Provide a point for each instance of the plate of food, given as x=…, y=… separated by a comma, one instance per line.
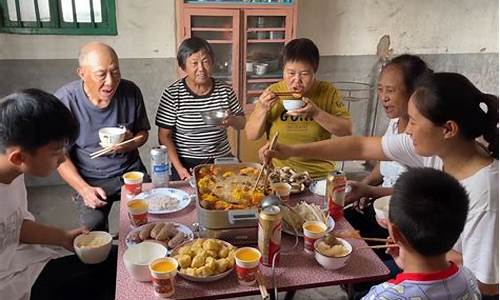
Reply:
x=204, y=259
x=165, y=200
x=303, y=212
x=297, y=180
x=169, y=234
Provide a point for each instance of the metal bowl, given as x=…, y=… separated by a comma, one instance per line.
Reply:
x=214, y=117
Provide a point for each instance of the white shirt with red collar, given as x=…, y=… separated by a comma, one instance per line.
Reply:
x=452, y=283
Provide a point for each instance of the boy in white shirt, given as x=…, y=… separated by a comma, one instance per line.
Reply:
x=34, y=127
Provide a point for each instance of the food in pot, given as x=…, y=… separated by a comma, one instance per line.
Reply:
x=222, y=189
x=205, y=257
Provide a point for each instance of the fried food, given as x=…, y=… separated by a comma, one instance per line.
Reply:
x=205, y=257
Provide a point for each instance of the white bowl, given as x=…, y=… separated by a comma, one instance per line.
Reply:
x=111, y=135
x=381, y=207
x=292, y=104
x=94, y=247
x=137, y=258
x=333, y=263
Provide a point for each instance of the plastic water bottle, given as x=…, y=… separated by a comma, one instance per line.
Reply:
x=160, y=166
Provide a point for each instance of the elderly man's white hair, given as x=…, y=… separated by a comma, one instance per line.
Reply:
x=94, y=47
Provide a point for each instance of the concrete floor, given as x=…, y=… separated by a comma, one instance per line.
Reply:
x=53, y=205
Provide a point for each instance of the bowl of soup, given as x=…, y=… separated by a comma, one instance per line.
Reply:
x=93, y=247
x=137, y=258
x=332, y=253
x=111, y=135
x=381, y=207
x=293, y=104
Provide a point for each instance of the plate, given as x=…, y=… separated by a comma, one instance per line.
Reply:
x=288, y=229
x=202, y=279
x=165, y=200
x=318, y=187
x=205, y=279
x=180, y=227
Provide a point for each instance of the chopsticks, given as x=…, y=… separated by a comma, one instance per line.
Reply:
x=112, y=147
x=289, y=93
x=262, y=286
x=271, y=147
x=378, y=246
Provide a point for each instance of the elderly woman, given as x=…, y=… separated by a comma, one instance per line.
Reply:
x=323, y=115
x=189, y=140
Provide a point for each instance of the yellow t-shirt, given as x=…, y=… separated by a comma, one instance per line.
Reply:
x=298, y=130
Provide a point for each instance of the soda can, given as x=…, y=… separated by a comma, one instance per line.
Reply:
x=160, y=166
x=269, y=236
x=336, y=182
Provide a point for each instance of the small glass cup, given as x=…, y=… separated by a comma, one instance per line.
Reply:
x=283, y=190
x=133, y=183
x=247, y=262
x=138, y=212
x=163, y=271
x=313, y=231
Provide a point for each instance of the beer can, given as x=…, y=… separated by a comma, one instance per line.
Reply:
x=269, y=236
x=336, y=182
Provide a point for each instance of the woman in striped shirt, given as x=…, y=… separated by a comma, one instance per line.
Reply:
x=189, y=140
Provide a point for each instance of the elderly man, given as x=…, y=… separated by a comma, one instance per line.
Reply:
x=101, y=99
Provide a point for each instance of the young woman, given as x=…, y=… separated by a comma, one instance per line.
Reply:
x=446, y=115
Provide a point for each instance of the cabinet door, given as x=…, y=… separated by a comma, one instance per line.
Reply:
x=221, y=29
x=265, y=34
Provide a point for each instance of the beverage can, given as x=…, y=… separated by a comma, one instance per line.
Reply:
x=269, y=235
x=335, y=194
x=160, y=166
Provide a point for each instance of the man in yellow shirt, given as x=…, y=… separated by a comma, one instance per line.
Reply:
x=323, y=115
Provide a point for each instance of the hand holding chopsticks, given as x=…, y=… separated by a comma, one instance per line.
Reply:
x=113, y=147
x=274, y=140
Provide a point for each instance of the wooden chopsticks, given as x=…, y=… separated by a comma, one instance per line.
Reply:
x=378, y=246
x=271, y=147
x=112, y=147
x=289, y=93
x=262, y=286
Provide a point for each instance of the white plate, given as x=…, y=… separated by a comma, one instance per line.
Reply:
x=288, y=229
x=318, y=187
x=179, y=198
x=180, y=227
x=201, y=279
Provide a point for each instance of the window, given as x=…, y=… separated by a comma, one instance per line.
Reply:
x=72, y=17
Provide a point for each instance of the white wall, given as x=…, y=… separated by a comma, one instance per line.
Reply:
x=354, y=27
x=146, y=29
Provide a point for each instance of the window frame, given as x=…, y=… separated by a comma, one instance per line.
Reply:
x=56, y=26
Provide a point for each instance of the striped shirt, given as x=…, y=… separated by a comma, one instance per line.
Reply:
x=179, y=110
